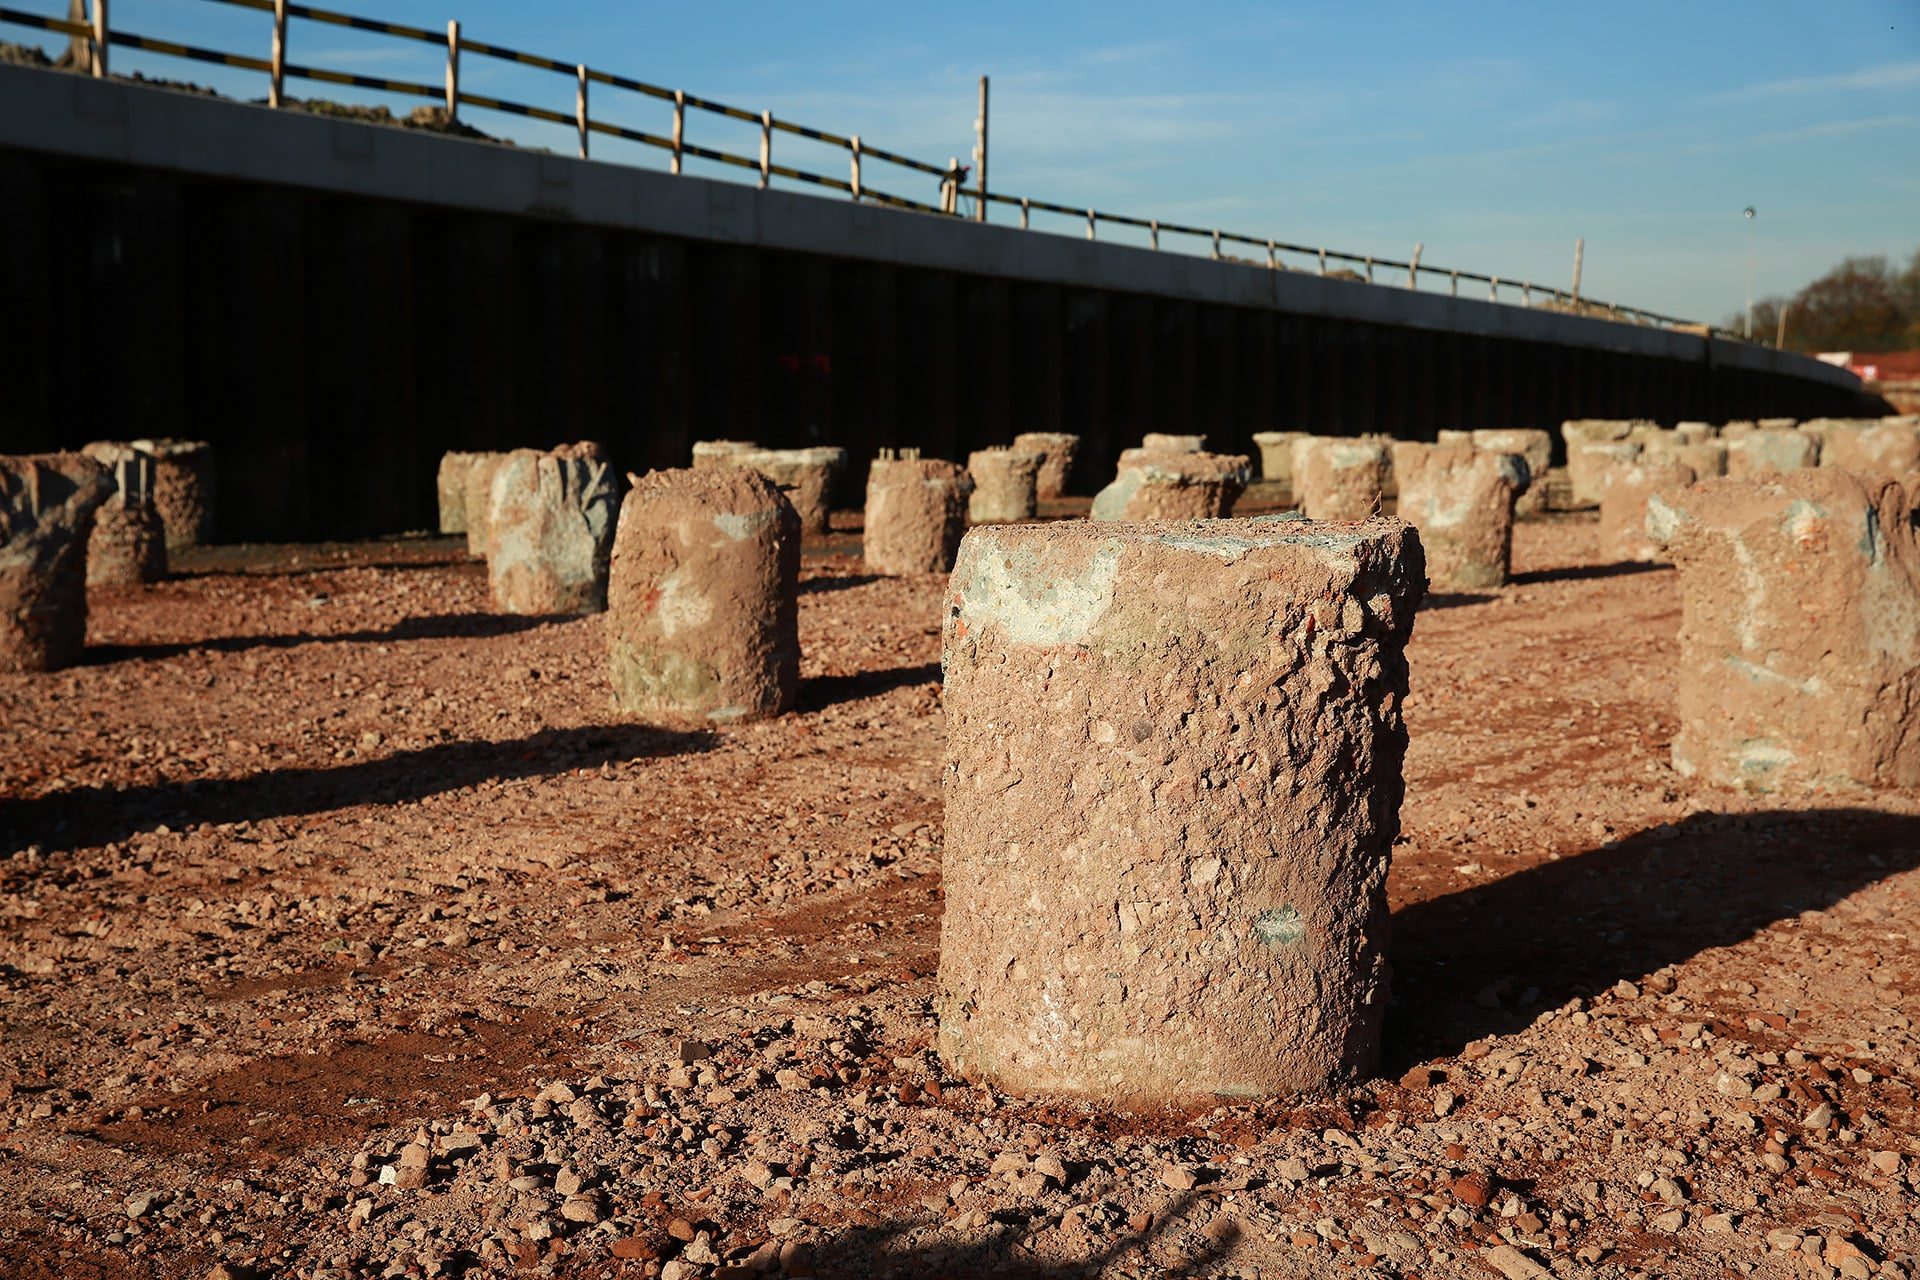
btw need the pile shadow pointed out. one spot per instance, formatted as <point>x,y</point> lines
<point>432,626</point>
<point>820,692</point>
<point>86,816</point>
<point>1581,924</point>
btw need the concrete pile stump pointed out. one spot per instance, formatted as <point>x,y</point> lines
<point>702,601</point>
<point>1173,780</point>
<point>1461,499</point>
<point>1152,484</point>
<point>550,530</point>
<point>450,487</point>
<point>1746,426</point>
<point>478,503</point>
<point>1778,424</point>
<point>128,546</point>
<point>1535,446</point>
<point>1695,432</point>
<point>1006,485</point>
<point>1623,507</point>
<point>1771,451</point>
<point>720,453</point>
<point>1276,455</point>
<point>1886,450</point>
<point>808,477</point>
<point>1340,479</point>
<point>1609,441</point>
<point>916,513</point>
<point>1057,450</point>
<point>1705,456</point>
<point>184,489</point>
<point>1800,631</point>
<point>47,506</point>
<point>1161,442</point>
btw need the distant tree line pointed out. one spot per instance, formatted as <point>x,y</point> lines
<point>1865,304</point>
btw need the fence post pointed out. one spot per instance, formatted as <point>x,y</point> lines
<point>1323,262</point>
<point>580,105</point>
<point>856,166</point>
<point>1025,210</point>
<point>100,39</point>
<point>1153,233</point>
<point>980,152</point>
<point>679,126</point>
<point>1454,283</point>
<point>1579,252</point>
<point>1090,220</point>
<point>1526,293</point>
<point>1413,268</point>
<point>1493,289</point>
<point>453,70</point>
<point>1273,257</point>
<point>1369,268</point>
<point>1216,244</point>
<point>276,85</point>
<point>766,149</point>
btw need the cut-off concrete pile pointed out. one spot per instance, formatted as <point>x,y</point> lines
<point>1705,457</point>
<point>1623,507</point>
<point>1161,442</point>
<point>1461,499</point>
<point>1340,479</point>
<point>1536,447</point>
<point>702,601</point>
<point>1153,484</point>
<point>450,487</point>
<point>478,503</point>
<point>916,513</point>
<point>47,505</point>
<point>1889,450</point>
<point>128,545</point>
<point>1006,485</point>
<point>550,522</point>
<point>1057,450</point>
<point>1800,633</point>
<point>1174,773</point>
<point>1770,451</point>
<point>1276,456</point>
<point>184,489</point>
<point>1587,470</point>
<point>808,475</point>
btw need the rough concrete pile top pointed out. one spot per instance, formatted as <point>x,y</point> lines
<point>1161,441</point>
<point>43,494</point>
<point>1800,641</point>
<point>1174,758</point>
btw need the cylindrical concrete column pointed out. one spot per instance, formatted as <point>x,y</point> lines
<point>1057,450</point>
<point>1533,445</point>
<point>1587,471</point>
<point>916,513</point>
<point>702,604</point>
<point>1461,499</point>
<point>184,489</point>
<point>1158,485</point>
<point>1623,507</point>
<point>1161,442</point>
<point>1799,631</point>
<point>479,501</point>
<point>1339,479</point>
<point>720,453</point>
<point>550,521</point>
<point>807,476</point>
<point>450,486</point>
<point>1276,456</point>
<point>1772,451</point>
<point>47,506</point>
<point>1006,485</point>
<point>1173,783</point>
<point>1882,449</point>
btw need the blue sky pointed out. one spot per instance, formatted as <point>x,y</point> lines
<point>1494,133</point>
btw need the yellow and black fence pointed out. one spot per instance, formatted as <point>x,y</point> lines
<point>97,36</point>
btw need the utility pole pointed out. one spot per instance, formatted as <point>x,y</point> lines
<point>980,153</point>
<point>1579,253</point>
<point>1749,213</point>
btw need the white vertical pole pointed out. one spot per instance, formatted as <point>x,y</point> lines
<point>1216,244</point>
<point>1579,252</point>
<point>100,39</point>
<point>580,106</point>
<point>1025,211</point>
<point>1090,221</point>
<point>980,151</point>
<point>1153,233</point>
<point>1413,268</point>
<point>679,126</point>
<point>856,166</point>
<point>277,84</point>
<point>766,149</point>
<point>453,70</point>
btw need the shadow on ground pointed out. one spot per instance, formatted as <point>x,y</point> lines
<point>434,626</point>
<point>820,692</point>
<point>839,582</point>
<point>1582,572</point>
<point>86,816</point>
<point>1579,925</point>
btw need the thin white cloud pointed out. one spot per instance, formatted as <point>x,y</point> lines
<point>1833,129</point>
<point>1893,75</point>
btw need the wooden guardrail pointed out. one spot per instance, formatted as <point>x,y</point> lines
<point>99,37</point>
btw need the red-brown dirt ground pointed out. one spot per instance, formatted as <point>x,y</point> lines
<point>346,931</point>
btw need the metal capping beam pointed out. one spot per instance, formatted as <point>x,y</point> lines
<point>680,147</point>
